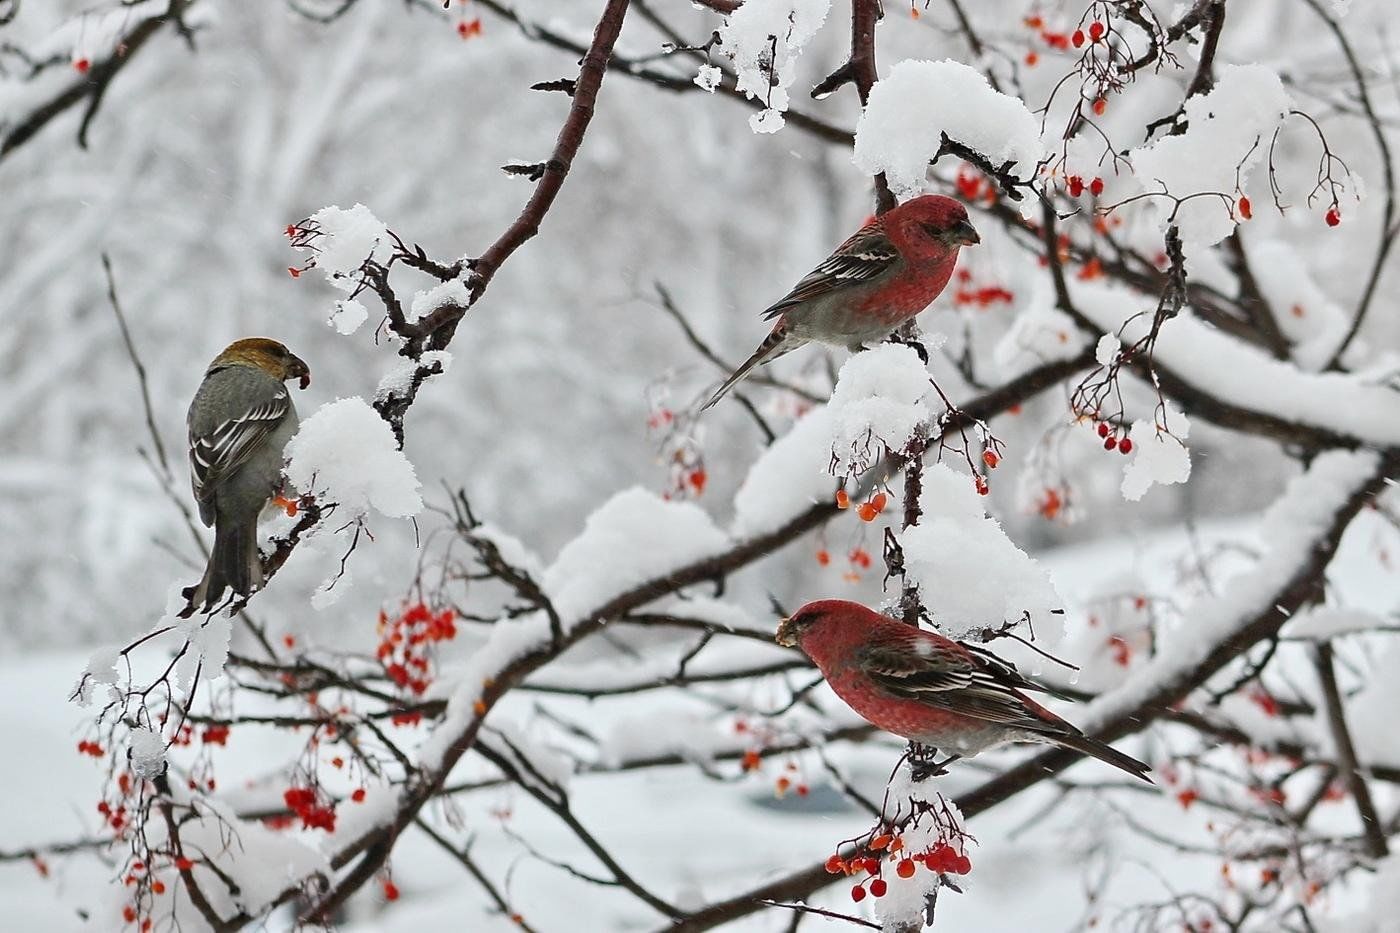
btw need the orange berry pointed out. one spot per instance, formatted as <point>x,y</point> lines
<point>823,557</point>
<point>843,501</point>
<point>906,868</point>
<point>879,501</point>
<point>867,512</point>
<point>990,458</point>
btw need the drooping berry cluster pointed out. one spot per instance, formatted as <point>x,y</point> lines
<point>406,640</point>
<point>888,849</point>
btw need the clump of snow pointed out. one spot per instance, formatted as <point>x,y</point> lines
<point>1040,334</point>
<point>764,39</point>
<point>1106,350</point>
<point>1159,457</point>
<point>101,669</point>
<point>1321,623</point>
<point>969,573</point>
<point>1371,712</point>
<point>348,238</point>
<point>634,537</point>
<point>1305,313</point>
<point>881,400</point>
<point>332,589</point>
<point>1227,136</point>
<point>399,380</point>
<point>146,752</point>
<point>918,102</point>
<point>208,638</point>
<point>789,477</point>
<point>345,453</point>
<point>452,292</point>
<point>708,77</point>
<point>348,315</point>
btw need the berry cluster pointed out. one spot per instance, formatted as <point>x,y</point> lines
<point>405,640</point>
<point>889,849</point>
<point>305,803</point>
<point>1111,440</point>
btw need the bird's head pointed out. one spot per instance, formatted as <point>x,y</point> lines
<point>269,356</point>
<point>935,218</point>
<point>818,615</point>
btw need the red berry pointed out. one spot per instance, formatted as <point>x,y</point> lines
<point>1110,443</point>
<point>82,65</point>
<point>878,887</point>
<point>1096,187</point>
<point>358,795</point>
<point>391,891</point>
<point>1103,429</point>
<point>990,458</point>
<point>843,501</point>
<point>1100,106</point>
<point>157,887</point>
<point>1096,31</point>
<point>836,865</point>
<point>183,864</point>
<point>823,557</point>
<point>1125,445</point>
<point>879,501</point>
<point>881,841</point>
<point>1334,217</point>
<point>858,894</point>
<point>1245,210</point>
<point>1076,186</point>
<point>961,865</point>
<point>294,272</point>
<point>906,868</point>
<point>867,511</point>
<point>1077,38</point>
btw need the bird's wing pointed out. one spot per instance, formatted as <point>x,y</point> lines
<point>219,451</point>
<point>949,676</point>
<point>867,254</point>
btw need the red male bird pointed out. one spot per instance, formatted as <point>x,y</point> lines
<point>889,271</point>
<point>930,689</point>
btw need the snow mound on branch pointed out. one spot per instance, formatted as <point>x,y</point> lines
<point>347,317</point>
<point>632,538</point>
<point>1305,314</point>
<point>789,477</point>
<point>764,39</point>
<point>969,573</point>
<point>101,670</point>
<point>453,292</point>
<point>1228,133</point>
<point>1371,713</point>
<point>147,753</point>
<point>1039,335</point>
<point>918,102</point>
<point>1158,458</point>
<point>345,453</point>
<point>208,638</point>
<point>348,238</point>
<point>881,400</point>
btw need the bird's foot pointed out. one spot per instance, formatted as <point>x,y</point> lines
<point>916,345</point>
<point>924,763</point>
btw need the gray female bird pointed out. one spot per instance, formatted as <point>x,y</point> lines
<point>241,418</point>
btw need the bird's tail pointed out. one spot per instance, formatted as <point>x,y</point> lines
<point>234,564</point>
<point>1105,753</point>
<point>778,342</point>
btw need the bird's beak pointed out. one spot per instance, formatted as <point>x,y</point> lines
<point>296,368</point>
<point>964,234</point>
<point>787,634</point>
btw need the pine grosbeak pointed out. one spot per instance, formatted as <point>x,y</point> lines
<point>889,271</point>
<point>930,689</point>
<point>241,418</point>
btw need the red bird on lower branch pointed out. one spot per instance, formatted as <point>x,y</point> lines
<point>930,689</point>
<point>887,272</point>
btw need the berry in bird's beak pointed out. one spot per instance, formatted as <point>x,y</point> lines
<point>296,368</point>
<point>787,634</point>
<point>964,234</point>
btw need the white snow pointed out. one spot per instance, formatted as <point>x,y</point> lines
<point>1371,712</point>
<point>789,477</point>
<point>708,78</point>
<point>1229,131</point>
<point>101,669</point>
<point>1305,314</point>
<point>399,379</point>
<point>633,537</point>
<point>147,752</point>
<point>348,315</point>
<point>918,101</point>
<point>452,292</point>
<point>208,638</point>
<point>346,454</point>
<point>764,38</point>
<point>1106,349</point>
<point>348,238</point>
<point>881,400</point>
<point>969,573</point>
<point>1040,334</point>
<point>1159,457</point>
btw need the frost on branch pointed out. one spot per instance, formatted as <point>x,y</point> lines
<point>764,38</point>
<point>146,752</point>
<point>633,537</point>
<point>346,454</point>
<point>919,102</point>
<point>451,292</point>
<point>970,575</point>
<point>1229,132</point>
<point>881,403</point>
<point>1160,455</point>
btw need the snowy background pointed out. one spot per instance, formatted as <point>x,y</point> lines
<point>562,418</point>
